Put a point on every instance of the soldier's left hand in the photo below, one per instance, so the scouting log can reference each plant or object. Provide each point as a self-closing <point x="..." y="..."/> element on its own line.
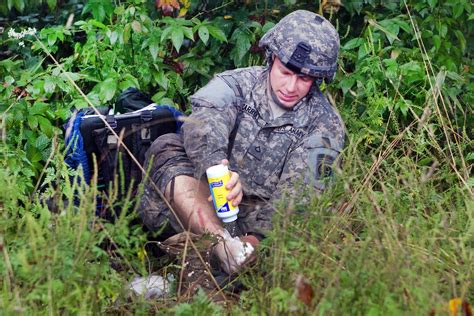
<point x="234" y="186"/>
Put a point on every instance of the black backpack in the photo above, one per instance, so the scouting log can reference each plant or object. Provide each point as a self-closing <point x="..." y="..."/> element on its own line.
<point x="90" y="143"/>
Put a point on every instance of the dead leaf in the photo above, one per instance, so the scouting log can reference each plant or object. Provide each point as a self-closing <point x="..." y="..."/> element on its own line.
<point x="331" y="6"/>
<point x="466" y="309"/>
<point x="304" y="290"/>
<point x="167" y="6"/>
<point x="454" y="305"/>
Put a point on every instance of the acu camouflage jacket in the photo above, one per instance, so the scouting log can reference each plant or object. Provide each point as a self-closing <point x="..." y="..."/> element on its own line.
<point x="231" y="120"/>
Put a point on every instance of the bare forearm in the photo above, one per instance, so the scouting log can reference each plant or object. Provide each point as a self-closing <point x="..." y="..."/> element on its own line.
<point x="190" y="202"/>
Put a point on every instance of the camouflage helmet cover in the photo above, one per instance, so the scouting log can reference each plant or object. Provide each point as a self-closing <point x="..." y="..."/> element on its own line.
<point x="306" y="43"/>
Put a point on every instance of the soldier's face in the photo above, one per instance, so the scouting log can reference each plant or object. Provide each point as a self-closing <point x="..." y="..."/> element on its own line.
<point x="288" y="86"/>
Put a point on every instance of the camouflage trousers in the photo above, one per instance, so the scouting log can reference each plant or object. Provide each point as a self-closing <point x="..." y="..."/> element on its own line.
<point x="168" y="160"/>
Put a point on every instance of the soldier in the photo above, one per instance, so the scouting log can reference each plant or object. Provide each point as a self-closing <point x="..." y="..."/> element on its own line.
<point x="270" y="124"/>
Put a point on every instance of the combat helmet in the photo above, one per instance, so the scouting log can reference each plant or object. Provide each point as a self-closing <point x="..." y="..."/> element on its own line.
<point x="306" y="43"/>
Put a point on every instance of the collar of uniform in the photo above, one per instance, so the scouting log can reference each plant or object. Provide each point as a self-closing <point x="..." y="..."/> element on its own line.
<point x="299" y="116"/>
<point x="259" y="96"/>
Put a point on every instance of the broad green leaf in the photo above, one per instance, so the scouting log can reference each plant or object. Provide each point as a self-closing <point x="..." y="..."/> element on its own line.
<point x="52" y="39"/>
<point x="113" y="37"/>
<point x="203" y="33"/>
<point x="119" y="10"/>
<point x="97" y="24"/>
<point x="32" y="121"/>
<point x="403" y="25"/>
<point x="38" y="108"/>
<point x="19" y="5"/>
<point x="242" y="45"/>
<point x="457" y="11"/>
<point x="166" y="33"/>
<point x="188" y="32"/>
<point x="390" y="29"/>
<point x="49" y="86"/>
<point x="443" y="30"/>
<point x="471" y="17"/>
<point x="412" y="72"/>
<point x="161" y="79"/>
<point x="461" y="39"/>
<point x="154" y="48"/>
<point x="437" y="41"/>
<point x="107" y="89"/>
<point x="362" y="52"/>
<point x="52" y="4"/>
<point x="136" y="27"/>
<point x="353" y="43"/>
<point x="432" y="3"/>
<point x="33" y="154"/>
<point x="267" y="26"/>
<point x="42" y="142"/>
<point x="217" y="33"/>
<point x="126" y="33"/>
<point x="177" y="38"/>
<point x="45" y="126"/>
<point x="470" y="157"/>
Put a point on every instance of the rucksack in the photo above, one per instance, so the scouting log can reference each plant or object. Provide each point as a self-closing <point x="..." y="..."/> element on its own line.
<point x="90" y="143"/>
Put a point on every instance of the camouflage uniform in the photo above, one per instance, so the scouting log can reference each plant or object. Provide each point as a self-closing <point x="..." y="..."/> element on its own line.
<point x="231" y="119"/>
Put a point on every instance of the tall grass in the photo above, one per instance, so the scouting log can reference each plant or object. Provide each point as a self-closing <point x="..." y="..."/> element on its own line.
<point x="403" y="243"/>
<point x="392" y="239"/>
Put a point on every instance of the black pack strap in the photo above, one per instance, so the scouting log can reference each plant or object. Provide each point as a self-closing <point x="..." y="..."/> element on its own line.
<point x="146" y="116"/>
<point x="112" y="121"/>
<point x="111" y="139"/>
<point x="234" y="85"/>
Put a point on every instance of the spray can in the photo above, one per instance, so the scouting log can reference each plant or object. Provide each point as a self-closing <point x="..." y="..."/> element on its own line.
<point x="218" y="176"/>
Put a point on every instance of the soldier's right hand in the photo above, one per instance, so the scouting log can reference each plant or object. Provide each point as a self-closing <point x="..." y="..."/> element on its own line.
<point x="232" y="253"/>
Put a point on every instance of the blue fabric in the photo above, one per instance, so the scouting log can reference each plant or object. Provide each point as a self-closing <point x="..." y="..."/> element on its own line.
<point x="75" y="154"/>
<point x="176" y="115"/>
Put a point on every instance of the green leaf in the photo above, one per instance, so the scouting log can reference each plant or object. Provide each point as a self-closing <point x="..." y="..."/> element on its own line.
<point x="437" y="41"/>
<point x="19" y="5"/>
<point x="52" y="4"/>
<point x="97" y="24"/>
<point x="457" y="11"/>
<point x="32" y="121"/>
<point x="166" y="33"/>
<point x="188" y="32"/>
<point x="136" y="27"/>
<point x="443" y="30"/>
<point x="45" y="126"/>
<point x="113" y="37"/>
<point x="217" y="33"/>
<point x="203" y="33"/>
<point x="154" y="48"/>
<point x="471" y="17"/>
<point x="107" y="89"/>
<point x="177" y="38"/>
<point x="461" y="39"/>
<point x="126" y="33"/>
<point x="353" y="43"/>
<point x="470" y="157"/>
<point x="390" y="29"/>
<point x="161" y="79"/>
<point x="432" y="3"/>
<point x="267" y="26"/>
<point x="242" y="45"/>
<point x="52" y="39"/>
<point x="38" y="108"/>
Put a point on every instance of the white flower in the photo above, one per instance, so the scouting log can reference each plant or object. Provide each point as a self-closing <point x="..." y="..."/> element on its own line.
<point x="13" y="34"/>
